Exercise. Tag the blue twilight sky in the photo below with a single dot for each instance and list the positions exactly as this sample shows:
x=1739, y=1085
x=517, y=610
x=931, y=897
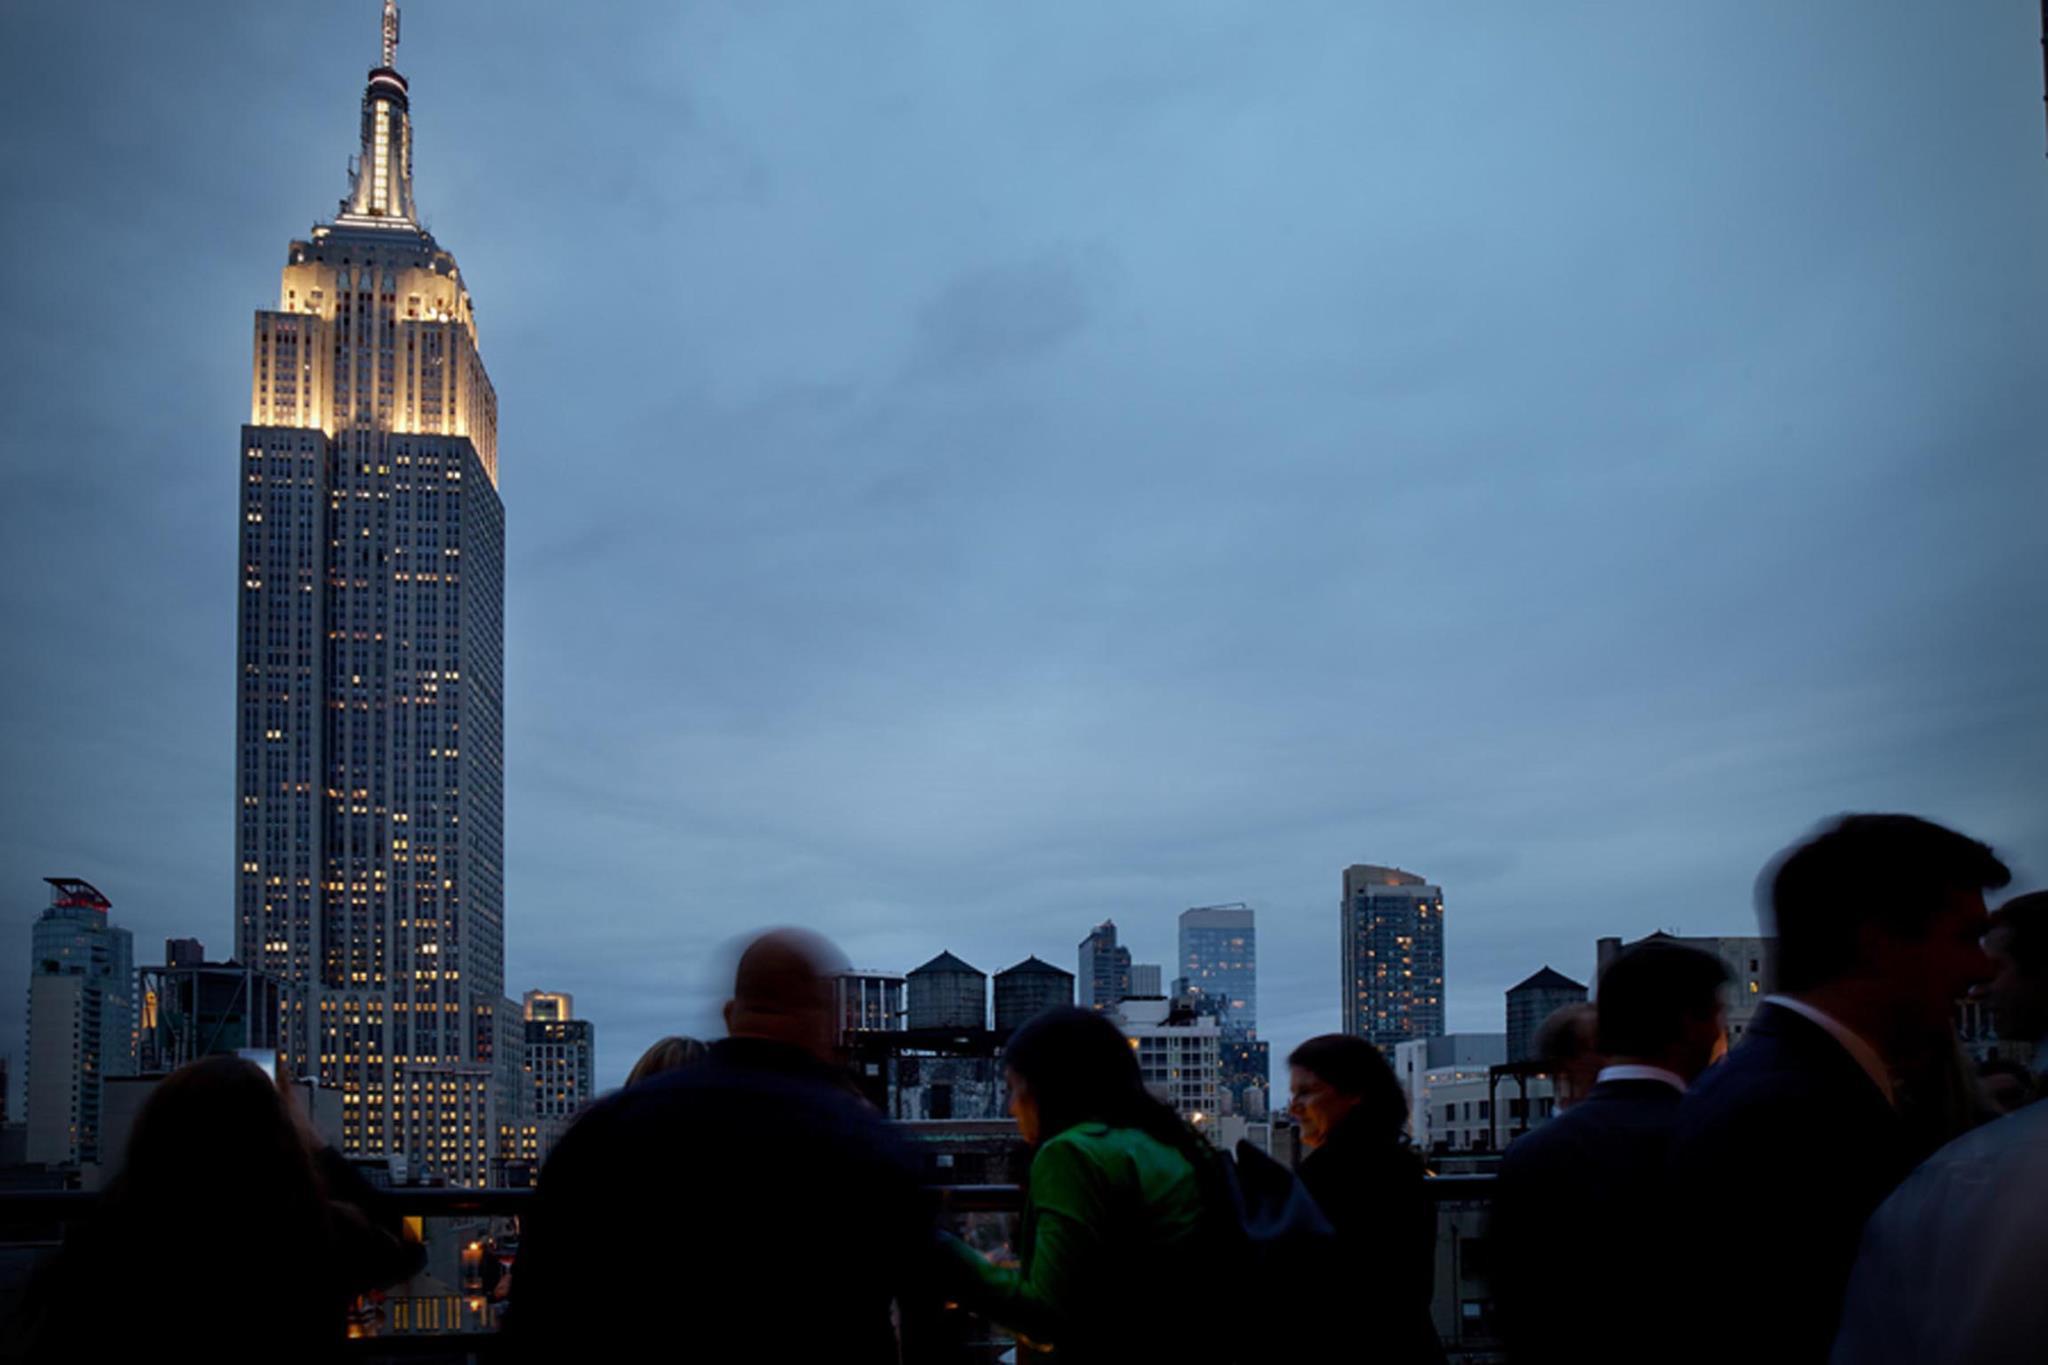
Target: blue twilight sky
x=974, y=469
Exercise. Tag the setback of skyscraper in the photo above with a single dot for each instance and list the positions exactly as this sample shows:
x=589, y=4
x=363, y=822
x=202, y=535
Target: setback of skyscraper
x=1392, y=955
x=369, y=766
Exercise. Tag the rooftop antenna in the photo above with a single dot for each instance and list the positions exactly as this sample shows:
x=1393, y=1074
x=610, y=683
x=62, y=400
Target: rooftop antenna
x=391, y=32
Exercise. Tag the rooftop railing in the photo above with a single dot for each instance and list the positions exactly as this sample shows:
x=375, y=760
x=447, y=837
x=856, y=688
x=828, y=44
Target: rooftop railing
x=448, y=1321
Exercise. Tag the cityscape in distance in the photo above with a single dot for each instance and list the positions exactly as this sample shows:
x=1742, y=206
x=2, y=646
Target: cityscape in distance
x=367, y=928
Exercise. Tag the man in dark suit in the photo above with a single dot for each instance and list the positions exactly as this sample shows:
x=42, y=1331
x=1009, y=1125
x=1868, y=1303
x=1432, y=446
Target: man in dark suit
x=1577, y=1197
x=749, y=1206
x=1783, y=1151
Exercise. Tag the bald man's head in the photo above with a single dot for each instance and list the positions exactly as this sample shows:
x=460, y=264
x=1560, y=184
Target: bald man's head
x=782, y=991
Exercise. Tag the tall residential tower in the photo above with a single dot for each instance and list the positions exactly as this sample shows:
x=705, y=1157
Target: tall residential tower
x=1393, y=956
x=81, y=1022
x=1219, y=965
x=1105, y=975
x=369, y=768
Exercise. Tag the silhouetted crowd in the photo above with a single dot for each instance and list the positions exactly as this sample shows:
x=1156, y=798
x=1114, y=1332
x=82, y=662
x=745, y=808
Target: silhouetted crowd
x=1841, y=1185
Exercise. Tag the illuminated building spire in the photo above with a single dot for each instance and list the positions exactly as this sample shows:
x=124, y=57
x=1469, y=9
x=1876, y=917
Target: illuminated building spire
x=381, y=192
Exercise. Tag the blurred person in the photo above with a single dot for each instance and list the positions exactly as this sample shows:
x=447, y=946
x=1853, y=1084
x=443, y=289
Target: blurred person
x=1576, y=1198
x=1567, y=1043
x=670, y=1054
x=2007, y=1087
x=219, y=1195
x=1120, y=1205
x=1783, y=1150
x=1951, y=1263
x=749, y=1195
x=1366, y=1177
x=1937, y=1092
x=2018, y=990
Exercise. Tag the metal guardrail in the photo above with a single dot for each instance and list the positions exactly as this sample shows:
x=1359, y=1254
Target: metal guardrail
x=430, y=1201
x=50, y=1209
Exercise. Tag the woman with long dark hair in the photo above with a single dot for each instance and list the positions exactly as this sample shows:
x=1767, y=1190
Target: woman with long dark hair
x=1117, y=1214
x=218, y=1227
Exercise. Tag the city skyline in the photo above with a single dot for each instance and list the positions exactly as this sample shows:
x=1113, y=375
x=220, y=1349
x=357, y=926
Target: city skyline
x=971, y=482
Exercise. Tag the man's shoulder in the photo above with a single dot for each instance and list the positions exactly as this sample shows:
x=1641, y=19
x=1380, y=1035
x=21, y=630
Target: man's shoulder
x=2014, y=1144
x=1590, y=1134
x=1558, y=1140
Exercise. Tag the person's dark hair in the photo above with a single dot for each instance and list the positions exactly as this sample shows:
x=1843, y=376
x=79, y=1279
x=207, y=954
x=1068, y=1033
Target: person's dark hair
x=1352, y=1066
x=1649, y=993
x=1568, y=1033
x=1081, y=1069
x=670, y=1054
x=2022, y=928
x=217, y=1134
x=216, y=1164
x=1893, y=872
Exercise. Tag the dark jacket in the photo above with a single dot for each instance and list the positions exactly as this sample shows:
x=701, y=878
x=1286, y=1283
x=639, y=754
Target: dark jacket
x=751, y=1200
x=1574, y=1205
x=1781, y=1153
x=1370, y=1187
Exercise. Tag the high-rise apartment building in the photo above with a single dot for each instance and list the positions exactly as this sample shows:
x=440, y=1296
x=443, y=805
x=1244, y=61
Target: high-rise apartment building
x=561, y=1057
x=1393, y=955
x=1105, y=975
x=1533, y=1000
x=1031, y=987
x=1178, y=1056
x=81, y=1021
x=1219, y=963
x=369, y=765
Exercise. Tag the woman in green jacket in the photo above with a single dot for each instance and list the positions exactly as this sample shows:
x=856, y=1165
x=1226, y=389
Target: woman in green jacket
x=1116, y=1215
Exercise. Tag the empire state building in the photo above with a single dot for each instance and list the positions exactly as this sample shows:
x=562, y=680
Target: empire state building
x=369, y=765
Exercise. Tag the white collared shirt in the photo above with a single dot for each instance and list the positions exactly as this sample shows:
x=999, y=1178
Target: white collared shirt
x=1633, y=1072
x=1852, y=1042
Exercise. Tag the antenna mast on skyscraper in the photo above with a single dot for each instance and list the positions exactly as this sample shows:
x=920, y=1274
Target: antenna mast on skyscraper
x=390, y=34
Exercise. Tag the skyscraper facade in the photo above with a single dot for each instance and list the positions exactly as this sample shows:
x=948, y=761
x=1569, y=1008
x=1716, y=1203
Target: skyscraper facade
x=369, y=766
x=1530, y=1002
x=1392, y=955
x=81, y=1021
x=1105, y=975
x=1219, y=965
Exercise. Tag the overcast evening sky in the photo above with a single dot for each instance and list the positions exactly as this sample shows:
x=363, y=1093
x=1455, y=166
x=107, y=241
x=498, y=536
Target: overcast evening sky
x=976, y=469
